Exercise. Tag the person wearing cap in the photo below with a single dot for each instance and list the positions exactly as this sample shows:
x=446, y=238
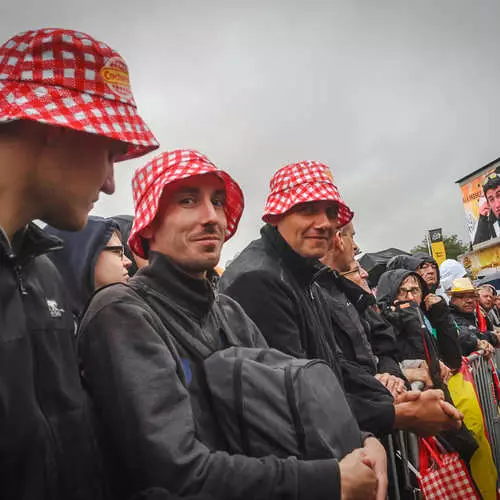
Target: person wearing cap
x=463, y=306
x=90, y=259
x=275, y=279
x=154, y=430
x=66, y=114
x=363, y=335
x=489, y=211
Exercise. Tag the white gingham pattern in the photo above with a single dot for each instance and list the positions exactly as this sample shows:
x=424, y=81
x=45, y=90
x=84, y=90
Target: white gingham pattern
x=150, y=180
x=66, y=78
x=303, y=182
x=450, y=481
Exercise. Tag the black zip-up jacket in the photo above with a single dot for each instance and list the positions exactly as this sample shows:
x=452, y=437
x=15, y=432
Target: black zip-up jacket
x=46, y=445
x=155, y=431
x=363, y=335
x=485, y=228
x=279, y=290
x=468, y=331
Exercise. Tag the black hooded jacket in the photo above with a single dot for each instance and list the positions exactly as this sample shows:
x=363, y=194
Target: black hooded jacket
x=157, y=425
x=125, y=223
x=47, y=450
x=468, y=331
x=412, y=263
x=408, y=324
x=77, y=260
x=361, y=332
x=279, y=290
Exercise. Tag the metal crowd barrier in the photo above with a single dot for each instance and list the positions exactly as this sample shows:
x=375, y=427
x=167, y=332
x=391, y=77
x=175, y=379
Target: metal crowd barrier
x=402, y=447
x=482, y=372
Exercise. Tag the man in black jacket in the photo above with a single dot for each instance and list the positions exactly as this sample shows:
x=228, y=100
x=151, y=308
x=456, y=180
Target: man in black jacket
x=57, y=148
x=275, y=279
x=157, y=424
x=363, y=335
x=489, y=211
x=463, y=304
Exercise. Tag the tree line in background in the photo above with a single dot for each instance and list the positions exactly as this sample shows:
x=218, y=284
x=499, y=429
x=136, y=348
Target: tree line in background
x=453, y=245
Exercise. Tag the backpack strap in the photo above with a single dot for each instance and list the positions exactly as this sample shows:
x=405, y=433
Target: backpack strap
x=193, y=346
x=158, y=324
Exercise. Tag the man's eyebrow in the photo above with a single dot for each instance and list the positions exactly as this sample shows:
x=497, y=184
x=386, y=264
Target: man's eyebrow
x=220, y=192
x=188, y=190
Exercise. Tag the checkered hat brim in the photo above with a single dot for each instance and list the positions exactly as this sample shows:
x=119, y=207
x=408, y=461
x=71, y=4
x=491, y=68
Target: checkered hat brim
x=78, y=111
x=303, y=182
x=150, y=180
x=66, y=78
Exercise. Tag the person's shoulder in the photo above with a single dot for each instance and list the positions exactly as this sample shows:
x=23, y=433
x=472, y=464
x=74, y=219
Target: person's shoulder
x=252, y=264
x=117, y=293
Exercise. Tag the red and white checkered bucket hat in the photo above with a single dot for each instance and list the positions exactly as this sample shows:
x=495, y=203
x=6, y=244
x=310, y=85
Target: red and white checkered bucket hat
x=301, y=183
x=66, y=78
x=150, y=180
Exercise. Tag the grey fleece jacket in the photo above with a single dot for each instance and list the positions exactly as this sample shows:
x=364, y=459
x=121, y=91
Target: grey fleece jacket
x=154, y=430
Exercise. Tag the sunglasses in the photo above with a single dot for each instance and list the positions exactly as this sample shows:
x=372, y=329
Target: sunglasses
x=118, y=250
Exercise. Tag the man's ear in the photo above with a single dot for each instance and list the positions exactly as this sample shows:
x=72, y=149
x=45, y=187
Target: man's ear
x=338, y=242
x=273, y=220
x=147, y=232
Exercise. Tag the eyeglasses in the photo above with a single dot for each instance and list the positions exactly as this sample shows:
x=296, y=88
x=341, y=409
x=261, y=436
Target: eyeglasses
x=406, y=291
x=116, y=249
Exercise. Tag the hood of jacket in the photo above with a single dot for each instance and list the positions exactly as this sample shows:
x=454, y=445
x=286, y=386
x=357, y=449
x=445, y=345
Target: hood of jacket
x=412, y=263
x=77, y=260
x=390, y=282
x=125, y=223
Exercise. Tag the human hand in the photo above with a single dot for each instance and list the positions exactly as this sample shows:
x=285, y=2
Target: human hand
x=488, y=349
x=407, y=397
x=428, y=415
x=445, y=372
x=431, y=299
x=393, y=384
x=358, y=480
x=484, y=209
x=419, y=375
x=376, y=452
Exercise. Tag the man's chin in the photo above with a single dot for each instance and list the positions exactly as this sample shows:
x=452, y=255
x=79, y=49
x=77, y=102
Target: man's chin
x=67, y=221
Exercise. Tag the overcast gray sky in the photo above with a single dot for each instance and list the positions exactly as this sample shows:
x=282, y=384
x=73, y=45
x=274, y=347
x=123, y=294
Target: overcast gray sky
x=400, y=98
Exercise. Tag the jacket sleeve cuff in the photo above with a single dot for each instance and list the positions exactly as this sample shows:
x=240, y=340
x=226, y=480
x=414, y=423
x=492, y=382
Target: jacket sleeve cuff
x=319, y=479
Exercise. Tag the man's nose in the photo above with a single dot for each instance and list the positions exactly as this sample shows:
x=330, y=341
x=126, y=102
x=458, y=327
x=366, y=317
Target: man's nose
x=109, y=184
x=322, y=221
x=208, y=212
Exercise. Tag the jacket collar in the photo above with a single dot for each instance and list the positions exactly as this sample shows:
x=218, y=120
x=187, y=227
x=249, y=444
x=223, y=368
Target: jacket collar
x=360, y=298
x=455, y=310
x=168, y=279
x=28, y=243
x=305, y=270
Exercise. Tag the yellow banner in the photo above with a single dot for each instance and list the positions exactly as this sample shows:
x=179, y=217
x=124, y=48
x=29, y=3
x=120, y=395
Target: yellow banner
x=480, y=259
x=438, y=252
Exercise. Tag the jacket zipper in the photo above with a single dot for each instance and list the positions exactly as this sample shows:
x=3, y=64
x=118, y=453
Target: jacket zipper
x=51, y=461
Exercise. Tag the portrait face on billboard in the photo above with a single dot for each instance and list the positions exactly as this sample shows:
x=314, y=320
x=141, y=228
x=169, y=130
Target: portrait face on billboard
x=493, y=200
x=481, y=198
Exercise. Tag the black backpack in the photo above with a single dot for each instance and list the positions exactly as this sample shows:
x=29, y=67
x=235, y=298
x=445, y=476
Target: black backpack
x=267, y=402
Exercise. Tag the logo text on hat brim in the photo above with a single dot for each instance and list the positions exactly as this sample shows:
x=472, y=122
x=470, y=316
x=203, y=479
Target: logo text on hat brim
x=115, y=75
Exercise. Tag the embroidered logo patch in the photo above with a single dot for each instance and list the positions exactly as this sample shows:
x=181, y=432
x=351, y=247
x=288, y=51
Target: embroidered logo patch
x=115, y=74
x=55, y=310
